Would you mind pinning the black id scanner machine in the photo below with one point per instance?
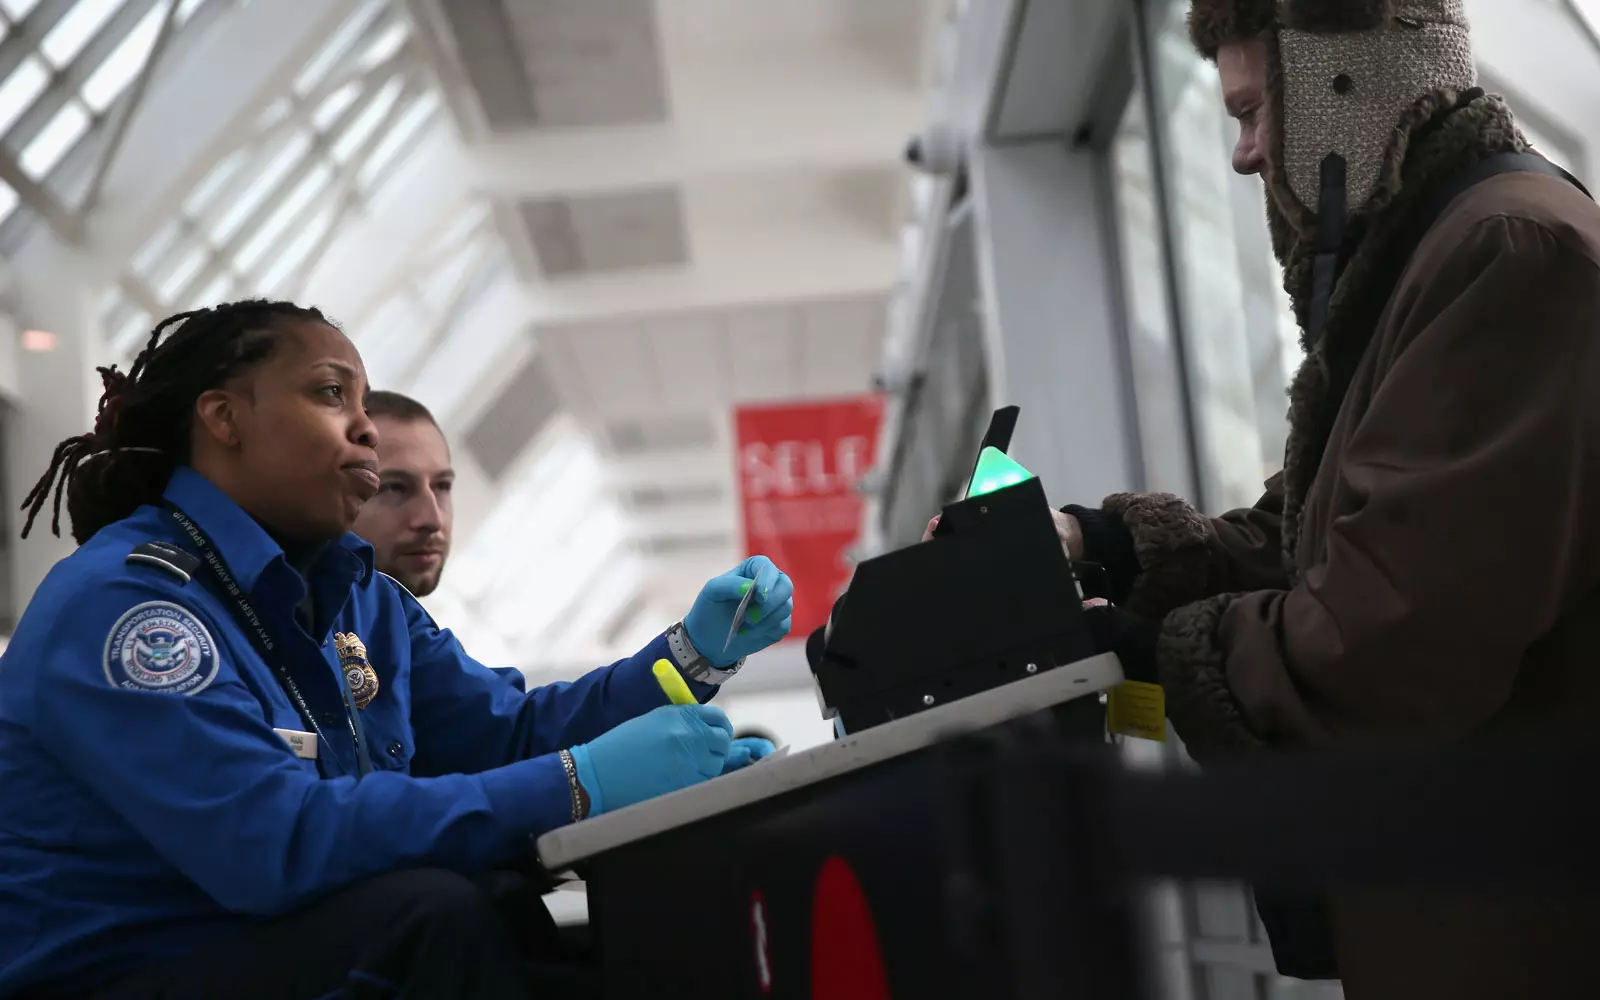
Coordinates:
(989, 600)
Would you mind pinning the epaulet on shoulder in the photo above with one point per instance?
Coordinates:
(178, 561)
(410, 596)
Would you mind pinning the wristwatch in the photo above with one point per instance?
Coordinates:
(693, 663)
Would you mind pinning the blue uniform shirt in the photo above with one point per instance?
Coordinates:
(147, 807)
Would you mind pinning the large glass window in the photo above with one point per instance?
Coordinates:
(1158, 389)
(1242, 344)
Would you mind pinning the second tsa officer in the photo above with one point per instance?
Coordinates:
(235, 760)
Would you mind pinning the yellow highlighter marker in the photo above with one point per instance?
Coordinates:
(673, 685)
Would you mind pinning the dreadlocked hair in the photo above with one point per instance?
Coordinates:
(145, 416)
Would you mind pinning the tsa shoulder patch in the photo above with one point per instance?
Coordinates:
(163, 555)
(159, 646)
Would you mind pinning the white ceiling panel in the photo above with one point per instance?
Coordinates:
(616, 361)
(840, 343)
(890, 34)
(676, 435)
(557, 63)
(763, 352)
(566, 374)
(606, 232)
(591, 62)
(691, 362)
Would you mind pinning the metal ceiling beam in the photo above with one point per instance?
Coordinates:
(362, 269)
(130, 107)
(192, 118)
(68, 81)
(469, 284)
(62, 220)
(784, 269)
(302, 106)
(24, 37)
(142, 296)
(345, 190)
(432, 252)
(224, 256)
(778, 137)
(372, 81)
(438, 49)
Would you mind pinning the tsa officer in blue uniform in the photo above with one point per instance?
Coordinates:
(237, 761)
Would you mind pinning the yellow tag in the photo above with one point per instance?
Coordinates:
(1134, 708)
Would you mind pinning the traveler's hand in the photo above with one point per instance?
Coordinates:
(747, 750)
(766, 621)
(1067, 529)
(1132, 638)
(1071, 534)
(666, 749)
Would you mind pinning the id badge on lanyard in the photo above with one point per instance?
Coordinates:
(267, 645)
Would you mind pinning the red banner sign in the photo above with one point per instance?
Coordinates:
(799, 466)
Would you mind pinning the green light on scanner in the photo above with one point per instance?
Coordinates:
(996, 470)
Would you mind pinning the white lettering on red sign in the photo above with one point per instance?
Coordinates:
(804, 468)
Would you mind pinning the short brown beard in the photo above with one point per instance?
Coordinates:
(424, 585)
(1285, 241)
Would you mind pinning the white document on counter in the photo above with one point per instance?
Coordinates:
(565, 846)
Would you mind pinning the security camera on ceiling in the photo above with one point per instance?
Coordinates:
(937, 150)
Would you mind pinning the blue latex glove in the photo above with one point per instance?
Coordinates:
(746, 750)
(765, 622)
(665, 749)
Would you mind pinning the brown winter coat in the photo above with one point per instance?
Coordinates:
(1426, 570)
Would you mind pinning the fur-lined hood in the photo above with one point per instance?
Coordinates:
(1213, 23)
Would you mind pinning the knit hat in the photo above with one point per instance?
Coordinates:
(1341, 76)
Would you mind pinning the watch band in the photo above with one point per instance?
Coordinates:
(693, 663)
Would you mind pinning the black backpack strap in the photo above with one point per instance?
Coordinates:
(1493, 166)
(1447, 191)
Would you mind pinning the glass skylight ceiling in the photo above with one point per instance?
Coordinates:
(56, 95)
(261, 220)
(552, 550)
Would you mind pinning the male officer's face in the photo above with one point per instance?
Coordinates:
(408, 523)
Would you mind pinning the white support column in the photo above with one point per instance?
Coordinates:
(58, 394)
(1050, 320)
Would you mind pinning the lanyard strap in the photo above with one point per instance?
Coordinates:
(262, 638)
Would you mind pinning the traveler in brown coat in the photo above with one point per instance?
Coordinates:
(1426, 570)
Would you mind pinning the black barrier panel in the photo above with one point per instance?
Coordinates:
(1083, 830)
(1470, 819)
(727, 908)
